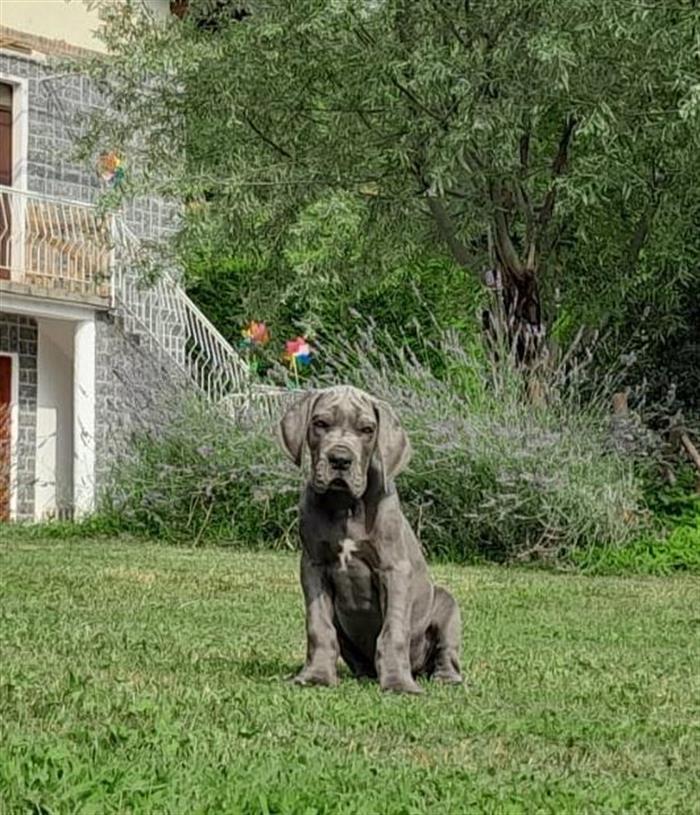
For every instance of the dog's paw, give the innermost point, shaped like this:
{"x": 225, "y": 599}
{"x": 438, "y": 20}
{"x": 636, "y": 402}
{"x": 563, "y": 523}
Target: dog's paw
{"x": 306, "y": 678}
{"x": 448, "y": 677}
{"x": 400, "y": 684}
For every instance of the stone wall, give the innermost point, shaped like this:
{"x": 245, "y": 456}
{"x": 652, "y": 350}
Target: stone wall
{"x": 136, "y": 391}
{"x": 134, "y": 388}
{"x": 18, "y": 335}
{"x": 58, "y": 104}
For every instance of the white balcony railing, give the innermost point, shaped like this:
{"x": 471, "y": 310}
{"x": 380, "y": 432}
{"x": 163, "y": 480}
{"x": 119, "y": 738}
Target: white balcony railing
{"x": 63, "y": 247}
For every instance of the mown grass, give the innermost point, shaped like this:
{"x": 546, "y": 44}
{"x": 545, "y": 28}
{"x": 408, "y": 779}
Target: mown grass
{"x": 141, "y": 678}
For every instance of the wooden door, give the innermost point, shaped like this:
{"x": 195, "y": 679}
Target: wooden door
{"x": 5, "y": 177}
{"x": 5, "y": 435}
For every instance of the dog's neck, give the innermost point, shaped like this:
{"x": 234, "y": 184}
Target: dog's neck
{"x": 337, "y": 503}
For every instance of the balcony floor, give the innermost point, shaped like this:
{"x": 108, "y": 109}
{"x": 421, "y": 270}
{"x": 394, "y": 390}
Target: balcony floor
{"x": 52, "y": 293}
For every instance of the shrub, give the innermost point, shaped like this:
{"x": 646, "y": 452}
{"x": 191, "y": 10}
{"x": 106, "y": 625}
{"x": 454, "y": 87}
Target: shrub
{"x": 651, "y": 555}
{"x": 205, "y": 477}
{"x": 675, "y": 505}
{"x": 319, "y": 282}
{"x": 494, "y": 474}
{"x": 672, "y": 545}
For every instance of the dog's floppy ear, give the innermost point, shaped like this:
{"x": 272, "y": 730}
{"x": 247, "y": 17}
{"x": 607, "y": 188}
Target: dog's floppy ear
{"x": 393, "y": 447}
{"x": 294, "y": 424}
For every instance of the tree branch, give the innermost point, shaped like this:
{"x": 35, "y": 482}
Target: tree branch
{"x": 639, "y": 236}
{"x": 366, "y": 38}
{"x": 641, "y": 231}
{"x": 268, "y": 141}
{"x": 443, "y": 221}
{"x": 523, "y": 200}
{"x": 469, "y": 160}
{"x": 559, "y": 166}
{"x": 524, "y": 152}
{"x": 447, "y": 230}
{"x": 503, "y": 243}
{"x": 416, "y": 101}
{"x": 438, "y": 8}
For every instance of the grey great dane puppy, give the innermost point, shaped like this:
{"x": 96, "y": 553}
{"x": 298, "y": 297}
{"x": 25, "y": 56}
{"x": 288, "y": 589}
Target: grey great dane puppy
{"x": 366, "y": 586}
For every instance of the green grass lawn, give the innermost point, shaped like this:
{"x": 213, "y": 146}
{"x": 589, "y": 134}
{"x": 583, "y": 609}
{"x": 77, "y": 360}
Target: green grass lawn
{"x": 137, "y": 678}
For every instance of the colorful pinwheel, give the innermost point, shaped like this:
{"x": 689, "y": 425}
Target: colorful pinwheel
{"x": 255, "y": 333}
{"x": 297, "y": 352}
{"x": 110, "y": 169}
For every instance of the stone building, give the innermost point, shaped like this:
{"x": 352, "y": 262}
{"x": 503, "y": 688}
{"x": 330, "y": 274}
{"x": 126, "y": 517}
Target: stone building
{"x": 87, "y": 354}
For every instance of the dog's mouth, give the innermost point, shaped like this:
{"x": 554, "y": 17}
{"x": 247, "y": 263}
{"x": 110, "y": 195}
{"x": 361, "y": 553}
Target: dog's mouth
{"x": 334, "y": 485}
{"x": 353, "y": 485}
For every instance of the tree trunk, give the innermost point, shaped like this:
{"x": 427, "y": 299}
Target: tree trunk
{"x": 515, "y": 320}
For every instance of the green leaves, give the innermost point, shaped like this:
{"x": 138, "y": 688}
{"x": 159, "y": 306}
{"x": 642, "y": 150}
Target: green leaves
{"x": 306, "y": 103}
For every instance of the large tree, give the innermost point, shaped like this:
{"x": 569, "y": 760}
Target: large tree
{"x": 549, "y": 146}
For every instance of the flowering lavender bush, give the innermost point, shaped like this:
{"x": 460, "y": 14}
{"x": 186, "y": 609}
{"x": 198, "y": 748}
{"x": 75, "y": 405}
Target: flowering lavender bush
{"x": 493, "y": 473}
{"x": 206, "y": 477}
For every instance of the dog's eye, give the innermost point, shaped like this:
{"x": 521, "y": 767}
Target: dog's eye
{"x": 320, "y": 424}
{"x": 368, "y": 430}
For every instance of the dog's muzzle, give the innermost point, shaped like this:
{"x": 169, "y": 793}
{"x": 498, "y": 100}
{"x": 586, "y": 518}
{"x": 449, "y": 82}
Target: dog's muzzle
{"x": 339, "y": 469}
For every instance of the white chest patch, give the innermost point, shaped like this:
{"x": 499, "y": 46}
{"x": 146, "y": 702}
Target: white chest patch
{"x": 347, "y": 548}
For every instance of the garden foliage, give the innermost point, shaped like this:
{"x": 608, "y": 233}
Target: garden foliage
{"x": 493, "y": 475}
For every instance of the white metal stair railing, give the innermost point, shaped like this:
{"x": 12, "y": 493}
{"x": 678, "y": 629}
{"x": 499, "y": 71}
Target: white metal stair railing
{"x": 167, "y": 321}
{"x": 169, "y": 324}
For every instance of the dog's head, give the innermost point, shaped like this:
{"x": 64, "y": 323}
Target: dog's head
{"x": 347, "y": 432}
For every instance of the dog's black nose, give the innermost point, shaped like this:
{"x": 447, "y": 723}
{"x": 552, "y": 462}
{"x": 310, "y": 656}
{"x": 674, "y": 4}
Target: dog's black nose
{"x": 340, "y": 461}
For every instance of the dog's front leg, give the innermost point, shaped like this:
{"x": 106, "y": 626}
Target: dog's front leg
{"x": 393, "y": 661}
{"x": 321, "y": 638}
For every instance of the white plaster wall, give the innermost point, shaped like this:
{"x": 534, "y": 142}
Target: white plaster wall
{"x": 67, "y": 20}
{"x": 84, "y": 376}
{"x": 54, "y": 456}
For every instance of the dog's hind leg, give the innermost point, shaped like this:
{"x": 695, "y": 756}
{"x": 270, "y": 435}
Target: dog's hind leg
{"x": 446, "y": 628}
